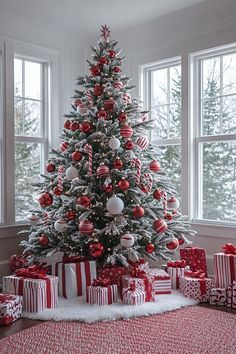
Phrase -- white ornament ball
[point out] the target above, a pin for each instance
(33, 219)
(60, 225)
(82, 109)
(114, 143)
(115, 205)
(71, 172)
(127, 240)
(173, 203)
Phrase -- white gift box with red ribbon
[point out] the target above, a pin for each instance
(10, 308)
(224, 269)
(102, 295)
(196, 288)
(133, 296)
(161, 282)
(218, 296)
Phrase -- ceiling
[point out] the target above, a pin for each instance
(85, 16)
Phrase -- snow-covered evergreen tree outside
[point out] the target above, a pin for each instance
(105, 195)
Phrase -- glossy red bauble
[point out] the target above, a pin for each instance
(67, 124)
(50, 167)
(84, 200)
(70, 214)
(123, 184)
(109, 104)
(64, 146)
(108, 189)
(95, 70)
(168, 216)
(155, 166)
(76, 156)
(85, 127)
(74, 126)
(43, 240)
(126, 132)
(116, 69)
(98, 90)
(160, 226)
(144, 189)
(150, 248)
(129, 145)
(138, 212)
(103, 60)
(57, 190)
(86, 227)
(45, 200)
(96, 249)
(122, 117)
(158, 194)
(118, 164)
(173, 244)
(112, 54)
(103, 171)
(102, 114)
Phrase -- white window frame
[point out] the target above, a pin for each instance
(2, 152)
(51, 59)
(195, 116)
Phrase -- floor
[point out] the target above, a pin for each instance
(22, 323)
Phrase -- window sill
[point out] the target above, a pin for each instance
(209, 229)
(9, 231)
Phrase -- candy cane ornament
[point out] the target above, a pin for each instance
(61, 170)
(148, 176)
(165, 202)
(89, 150)
(45, 219)
(137, 162)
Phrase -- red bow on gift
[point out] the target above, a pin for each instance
(101, 282)
(177, 264)
(198, 274)
(31, 272)
(73, 259)
(137, 273)
(141, 261)
(131, 288)
(229, 248)
(6, 298)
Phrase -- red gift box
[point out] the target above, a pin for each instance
(225, 266)
(113, 273)
(196, 286)
(10, 308)
(101, 292)
(195, 258)
(176, 269)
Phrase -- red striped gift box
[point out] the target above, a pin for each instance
(102, 295)
(162, 281)
(133, 296)
(224, 269)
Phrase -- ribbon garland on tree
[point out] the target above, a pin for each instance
(177, 264)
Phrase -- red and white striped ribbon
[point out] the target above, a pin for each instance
(137, 162)
(89, 97)
(61, 170)
(45, 219)
(89, 150)
(148, 176)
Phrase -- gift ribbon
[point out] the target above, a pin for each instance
(229, 248)
(137, 273)
(130, 288)
(141, 261)
(177, 264)
(73, 259)
(34, 272)
(4, 298)
(201, 276)
(79, 276)
(101, 282)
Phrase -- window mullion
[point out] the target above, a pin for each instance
(221, 93)
(168, 102)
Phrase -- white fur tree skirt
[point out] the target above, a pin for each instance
(77, 310)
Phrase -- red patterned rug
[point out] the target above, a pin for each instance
(191, 330)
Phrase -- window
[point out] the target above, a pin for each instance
(1, 131)
(162, 95)
(214, 114)
(30, 129)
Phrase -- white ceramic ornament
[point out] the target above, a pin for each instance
(33, 219)
(114, 143)
(71, 172)
(127, 240)
(115, 205)
(82, 109)
(173, 203)
(60, 225)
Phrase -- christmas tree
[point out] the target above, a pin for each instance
(105, 195)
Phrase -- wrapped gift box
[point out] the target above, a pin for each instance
(38, 294)
(75, 277)
(161, 281)
(195, 258)
(196, 288)
(144, 283)
(176, 269)
(10, 308)
(140, 265)
(133, 296)
(231, 295)
(224, 269)
(218, 296)
(101, 294)
(113, 273)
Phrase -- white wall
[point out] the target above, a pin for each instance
(203, 26)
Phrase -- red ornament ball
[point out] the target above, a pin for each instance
(103, 171)
(122, 117)
(95, 70)
(108, 189)
(138, 212)
(102, 114)
(76, 156)
(67, 124)
(57, 190)
(160, 226)
(50, 167)
(103, 60)
(43, 240)
(98, 90)
(173, 244)
(96, 249)
(129, 145)
(112, 54)
(126, 132)
(85, 127)
(118, 164)
(155, 166)
(84, 200)
(109, 104)
(150, 247)
(123, 184)
(45, 199)
(181, 241)
(64, 146)
(144, 189)
(86, 227)
(70, 214)
(116, 69)
(74, 126)
(168, 216)
(158, 194)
